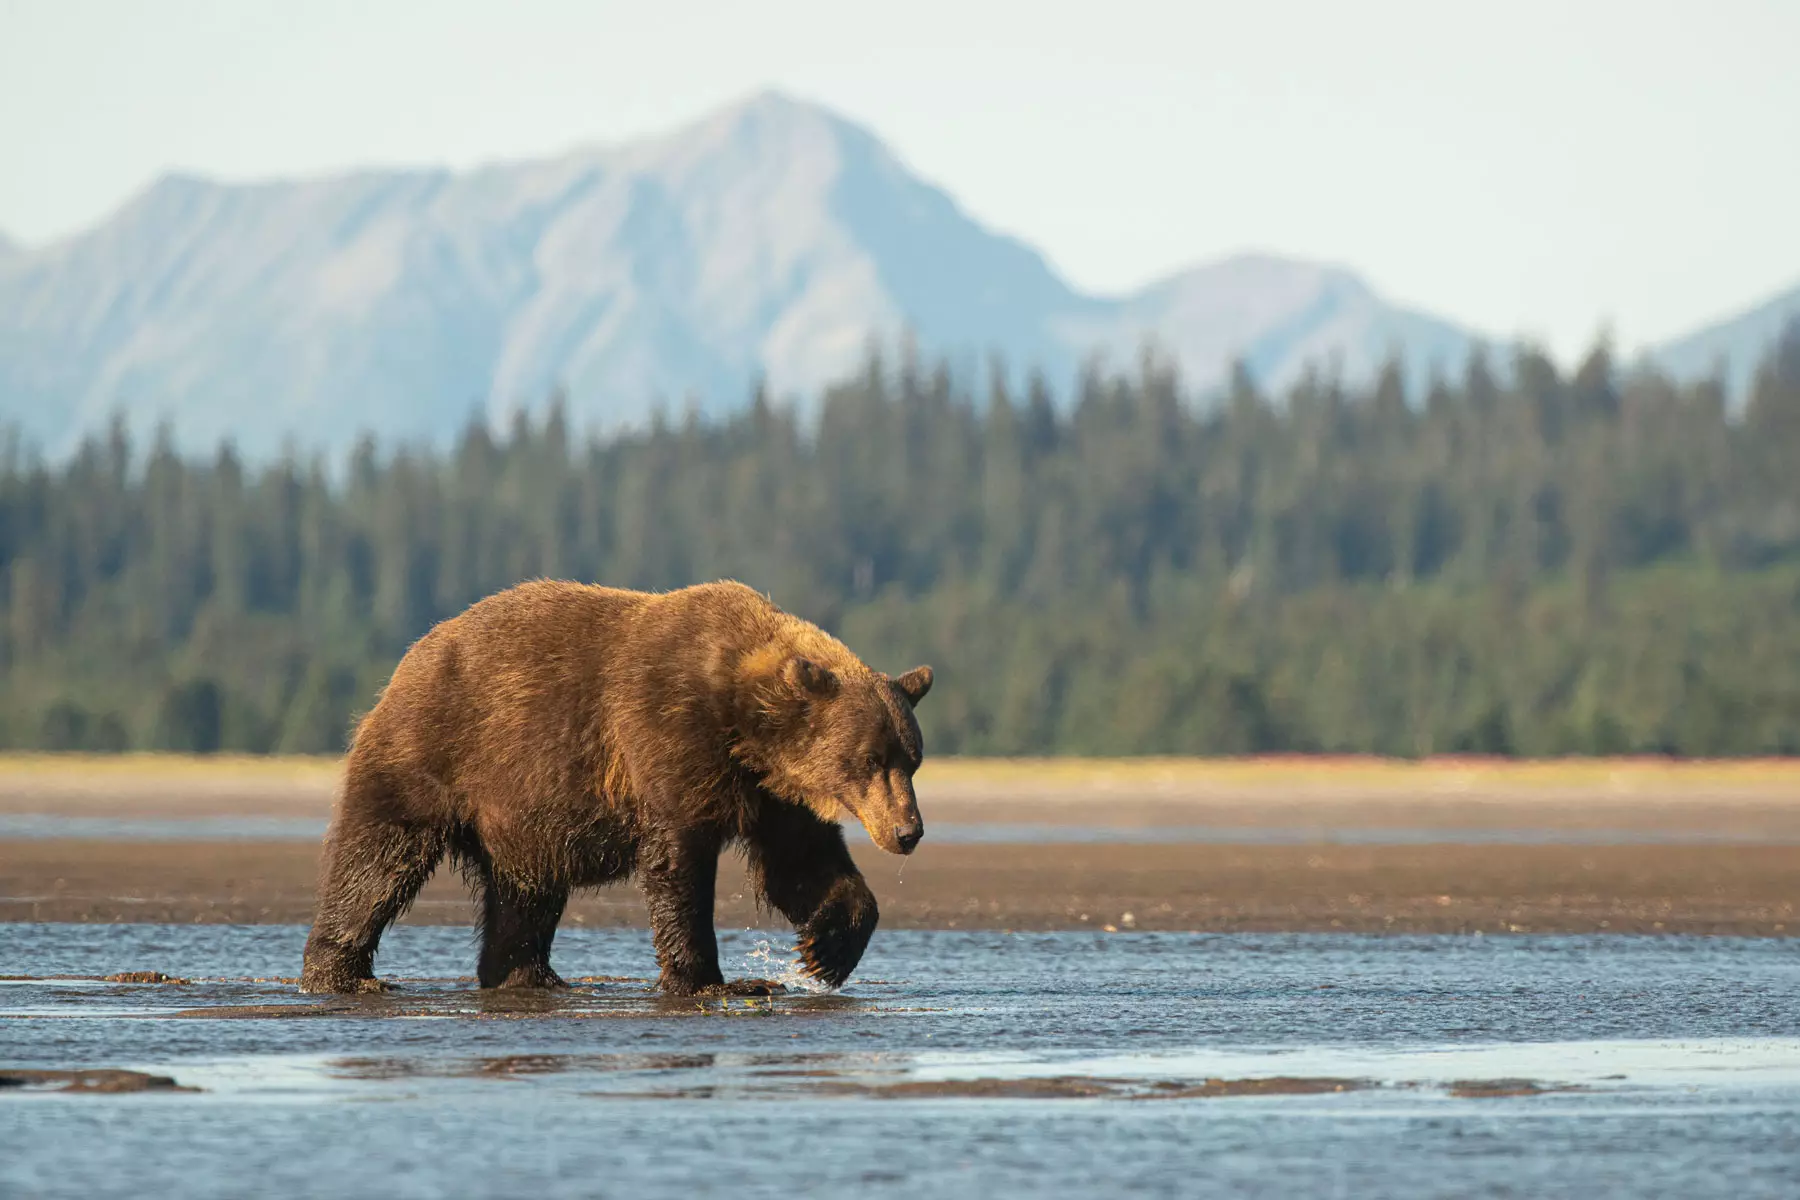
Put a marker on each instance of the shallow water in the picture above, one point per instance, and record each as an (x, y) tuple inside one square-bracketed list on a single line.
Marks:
[(308, 829), (955, 1063)]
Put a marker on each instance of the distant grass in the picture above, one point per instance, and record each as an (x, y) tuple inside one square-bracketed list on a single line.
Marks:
[(270, 768), (1436, 774), (1432, 774)]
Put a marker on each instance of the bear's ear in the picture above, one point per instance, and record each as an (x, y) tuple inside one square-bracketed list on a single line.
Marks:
[(804, 675), (914, 684)]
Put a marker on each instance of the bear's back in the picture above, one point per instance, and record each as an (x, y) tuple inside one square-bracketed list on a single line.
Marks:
[(488, 685), (530, 670)]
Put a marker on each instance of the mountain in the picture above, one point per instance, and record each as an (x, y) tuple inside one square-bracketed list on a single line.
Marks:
[(1737, 343), (1276, 314), (771, 239)]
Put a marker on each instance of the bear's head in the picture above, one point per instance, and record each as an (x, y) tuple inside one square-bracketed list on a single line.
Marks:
[(825, 731)]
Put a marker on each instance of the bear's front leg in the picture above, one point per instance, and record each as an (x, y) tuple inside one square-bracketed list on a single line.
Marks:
[(679, 873), (803, 869), (833, 938)]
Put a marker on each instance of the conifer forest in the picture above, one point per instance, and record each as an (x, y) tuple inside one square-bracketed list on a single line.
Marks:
[(1518, 561)]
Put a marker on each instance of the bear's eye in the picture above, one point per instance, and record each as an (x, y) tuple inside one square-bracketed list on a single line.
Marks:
[(876, 762)]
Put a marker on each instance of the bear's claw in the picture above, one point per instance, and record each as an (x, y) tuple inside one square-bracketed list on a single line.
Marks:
[(826, 959)]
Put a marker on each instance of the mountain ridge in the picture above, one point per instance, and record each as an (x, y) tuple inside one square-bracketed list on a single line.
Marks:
[(1733, 346), (770, 240)]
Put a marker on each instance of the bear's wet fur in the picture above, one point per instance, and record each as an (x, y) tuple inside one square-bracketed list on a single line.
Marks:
[(562, 735)]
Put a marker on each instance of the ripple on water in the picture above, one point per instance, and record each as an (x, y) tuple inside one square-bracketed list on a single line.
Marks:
[(975, 1063)]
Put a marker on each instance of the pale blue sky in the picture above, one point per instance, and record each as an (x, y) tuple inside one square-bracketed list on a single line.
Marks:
[(1535, 168)]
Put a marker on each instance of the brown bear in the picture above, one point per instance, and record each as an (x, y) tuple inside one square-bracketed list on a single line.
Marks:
[(561, 735)]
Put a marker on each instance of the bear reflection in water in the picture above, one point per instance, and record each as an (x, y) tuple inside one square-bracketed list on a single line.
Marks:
[(560, 735)]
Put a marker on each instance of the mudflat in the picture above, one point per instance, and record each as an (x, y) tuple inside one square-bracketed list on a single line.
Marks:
[(1625, 846), (1712, 889), (1123, 1051)]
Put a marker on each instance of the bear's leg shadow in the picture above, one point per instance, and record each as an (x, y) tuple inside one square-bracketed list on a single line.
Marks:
[(517, 927), (374, 867), (801, 866)]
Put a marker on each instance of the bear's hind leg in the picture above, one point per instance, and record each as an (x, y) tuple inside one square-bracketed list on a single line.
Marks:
[(517, 927), (374, 867)]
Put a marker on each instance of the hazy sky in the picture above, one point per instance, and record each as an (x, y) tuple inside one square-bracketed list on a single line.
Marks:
[(1536, 168)]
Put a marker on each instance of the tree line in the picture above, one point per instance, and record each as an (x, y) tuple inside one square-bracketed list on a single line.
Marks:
[(1519, 561)]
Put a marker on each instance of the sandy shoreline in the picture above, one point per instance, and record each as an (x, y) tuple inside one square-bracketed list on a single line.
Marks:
[(1753, 800), (1741, 877), (1702, 889)]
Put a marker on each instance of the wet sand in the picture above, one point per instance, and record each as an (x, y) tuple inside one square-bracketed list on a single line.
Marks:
[(1706, 889), (1737, 874)]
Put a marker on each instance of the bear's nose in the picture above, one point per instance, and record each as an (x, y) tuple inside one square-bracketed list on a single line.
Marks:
[(908, 835)]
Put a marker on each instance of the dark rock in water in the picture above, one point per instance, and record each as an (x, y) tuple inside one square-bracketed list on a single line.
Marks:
[(95, 1081), (1493, 1089), (143, 977)]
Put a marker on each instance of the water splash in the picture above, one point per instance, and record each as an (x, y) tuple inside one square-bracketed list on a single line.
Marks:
[(764, 961)]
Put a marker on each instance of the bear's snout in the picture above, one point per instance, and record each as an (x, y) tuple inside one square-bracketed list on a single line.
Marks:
[(889, 811)]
